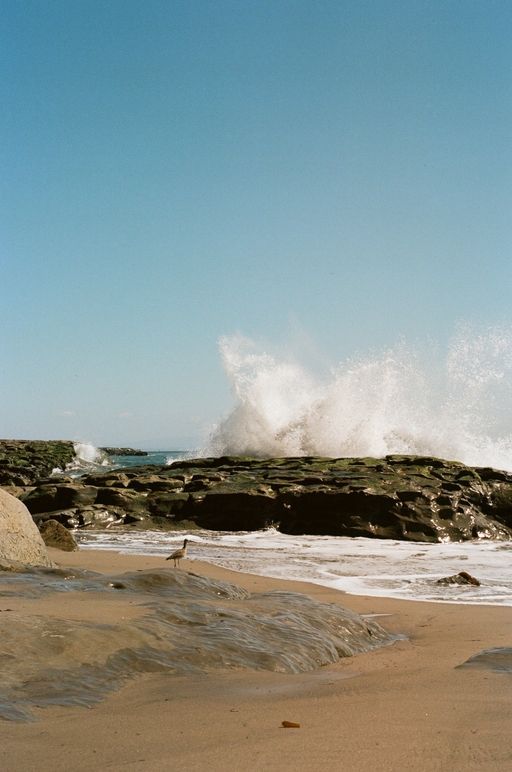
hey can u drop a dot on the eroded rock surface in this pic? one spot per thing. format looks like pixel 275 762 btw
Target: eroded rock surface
pixel 398 497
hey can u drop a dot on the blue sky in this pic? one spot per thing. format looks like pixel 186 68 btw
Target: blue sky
pixel 325 175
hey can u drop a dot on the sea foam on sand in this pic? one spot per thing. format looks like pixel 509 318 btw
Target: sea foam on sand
pixel 360 566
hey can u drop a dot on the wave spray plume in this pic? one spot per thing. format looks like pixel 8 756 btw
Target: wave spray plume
pixel 457 406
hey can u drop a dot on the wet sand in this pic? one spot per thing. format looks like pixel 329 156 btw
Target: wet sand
pixel 403 707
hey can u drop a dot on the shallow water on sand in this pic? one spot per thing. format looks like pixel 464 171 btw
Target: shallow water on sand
pixel 499 660
pixel 187 624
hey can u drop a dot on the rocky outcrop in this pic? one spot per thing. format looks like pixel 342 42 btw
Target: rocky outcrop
pixel 20 541
pixel 399 497
pixel 461 578
pixel 24 462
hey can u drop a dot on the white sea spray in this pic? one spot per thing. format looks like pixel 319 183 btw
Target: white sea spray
pixel 455 404
pixel 88 453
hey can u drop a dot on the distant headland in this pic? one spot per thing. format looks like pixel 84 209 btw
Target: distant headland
pixel 124 452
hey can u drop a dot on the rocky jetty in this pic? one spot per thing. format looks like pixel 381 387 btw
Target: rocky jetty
pixel 24 462
pixel 398 497
pixel 124 452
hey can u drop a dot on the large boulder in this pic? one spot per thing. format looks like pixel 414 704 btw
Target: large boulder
pixel 20 540
pixel 57 535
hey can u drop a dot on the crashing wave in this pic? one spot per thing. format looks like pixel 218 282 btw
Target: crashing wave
pixel 455 406
pixel 88 458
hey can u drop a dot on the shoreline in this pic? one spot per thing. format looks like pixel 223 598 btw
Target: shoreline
pixel 402 707
pixel 407 571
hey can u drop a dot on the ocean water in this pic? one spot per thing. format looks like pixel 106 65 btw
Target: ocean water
pixel 358 566
pixel 89 458
pixel 156 457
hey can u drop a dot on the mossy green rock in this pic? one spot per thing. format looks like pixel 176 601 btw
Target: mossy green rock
pixel 24 462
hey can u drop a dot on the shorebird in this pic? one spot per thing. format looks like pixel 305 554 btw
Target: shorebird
pixel 181 553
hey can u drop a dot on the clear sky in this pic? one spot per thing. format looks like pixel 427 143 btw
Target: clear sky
pixel 175 171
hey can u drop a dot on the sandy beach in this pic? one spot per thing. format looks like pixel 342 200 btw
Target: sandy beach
pixel 403 707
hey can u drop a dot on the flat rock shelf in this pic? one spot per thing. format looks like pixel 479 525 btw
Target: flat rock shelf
pixel 398 497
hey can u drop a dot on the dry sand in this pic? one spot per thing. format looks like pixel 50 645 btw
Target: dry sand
pixel 403 707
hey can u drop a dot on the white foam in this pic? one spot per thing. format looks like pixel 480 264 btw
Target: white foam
pixel 88 453
pixel 455 405
pixel 87 459
pixel 359 566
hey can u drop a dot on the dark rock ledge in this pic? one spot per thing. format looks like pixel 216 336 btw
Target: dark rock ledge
pixel 124 452
pixel 398 497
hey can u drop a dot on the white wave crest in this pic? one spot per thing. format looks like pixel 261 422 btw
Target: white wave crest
pixel 88 453
pixel 87 459
pixel 455 405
